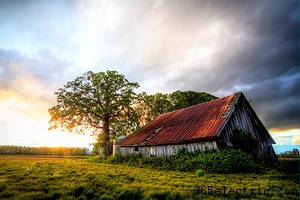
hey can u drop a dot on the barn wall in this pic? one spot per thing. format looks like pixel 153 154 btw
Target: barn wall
pixel 242 118
pixel 166 150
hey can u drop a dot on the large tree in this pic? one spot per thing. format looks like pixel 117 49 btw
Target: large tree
pixel 100 102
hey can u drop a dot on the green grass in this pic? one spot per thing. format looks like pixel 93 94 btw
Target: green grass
pixel 74 178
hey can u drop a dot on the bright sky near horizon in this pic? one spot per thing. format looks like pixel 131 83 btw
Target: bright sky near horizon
pixel 220 47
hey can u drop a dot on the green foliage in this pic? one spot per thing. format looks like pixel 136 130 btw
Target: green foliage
pixel 149 106
pixel 242 140
pixel 165 195
pixel 199 172
pixel 127 194
pixel 86 101
pixel 98 145
pixel 212 161
pixel 131 159
pixel 189 98
pixel 106 197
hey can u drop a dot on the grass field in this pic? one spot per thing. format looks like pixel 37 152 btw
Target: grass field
pixel 76 178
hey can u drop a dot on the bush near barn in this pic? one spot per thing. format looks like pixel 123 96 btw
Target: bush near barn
pixel 211 161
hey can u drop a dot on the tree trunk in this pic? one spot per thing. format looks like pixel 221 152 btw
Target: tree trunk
pixel 106 143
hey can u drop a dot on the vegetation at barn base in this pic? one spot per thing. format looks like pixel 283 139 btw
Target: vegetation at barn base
pixel 241 140
pixel 66 178
pixel 211 161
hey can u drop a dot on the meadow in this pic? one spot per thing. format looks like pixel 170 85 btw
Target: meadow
pixel 28 177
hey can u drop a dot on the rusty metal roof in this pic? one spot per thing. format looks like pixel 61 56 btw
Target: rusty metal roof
pixel 194 123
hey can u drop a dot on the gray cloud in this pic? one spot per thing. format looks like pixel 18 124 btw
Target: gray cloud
pixel 32 77
pixel 257 53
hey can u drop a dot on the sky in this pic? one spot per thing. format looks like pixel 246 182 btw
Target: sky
pixel 216 46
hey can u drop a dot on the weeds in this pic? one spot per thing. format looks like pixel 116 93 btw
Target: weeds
pixel 212 161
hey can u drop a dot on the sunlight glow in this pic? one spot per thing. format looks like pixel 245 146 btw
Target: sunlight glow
pixel 291 136
pixel 29 127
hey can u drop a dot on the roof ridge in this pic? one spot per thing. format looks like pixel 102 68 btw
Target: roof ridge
pixel 231 105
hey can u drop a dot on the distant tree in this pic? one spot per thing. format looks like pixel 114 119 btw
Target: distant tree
pixel 100 102
pixel 183 99
pixel 97 145
pixel 149 106
pixel 54 151
pixel 290 154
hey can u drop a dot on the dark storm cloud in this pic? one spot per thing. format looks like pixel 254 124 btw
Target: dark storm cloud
pixel 277 100
pixel 259 56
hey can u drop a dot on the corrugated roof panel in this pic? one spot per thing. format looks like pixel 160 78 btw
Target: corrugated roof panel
pixel 195 122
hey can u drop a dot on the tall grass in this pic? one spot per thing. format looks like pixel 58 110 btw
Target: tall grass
pixel 66 178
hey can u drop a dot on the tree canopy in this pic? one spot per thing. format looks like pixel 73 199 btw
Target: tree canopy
pixel 95 102
pixel 183 99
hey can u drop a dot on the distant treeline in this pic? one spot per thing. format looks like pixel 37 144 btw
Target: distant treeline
pixel 51 151
pixel 290 154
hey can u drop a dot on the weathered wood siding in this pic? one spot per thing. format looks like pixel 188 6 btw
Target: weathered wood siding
pixel 166 150
pixel 242 118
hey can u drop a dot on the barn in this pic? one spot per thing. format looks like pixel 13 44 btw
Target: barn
pixel 207 125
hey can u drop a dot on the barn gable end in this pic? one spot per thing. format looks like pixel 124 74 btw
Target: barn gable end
pixel 243 116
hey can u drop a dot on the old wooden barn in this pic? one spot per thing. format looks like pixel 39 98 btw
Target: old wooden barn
pixel 208 125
